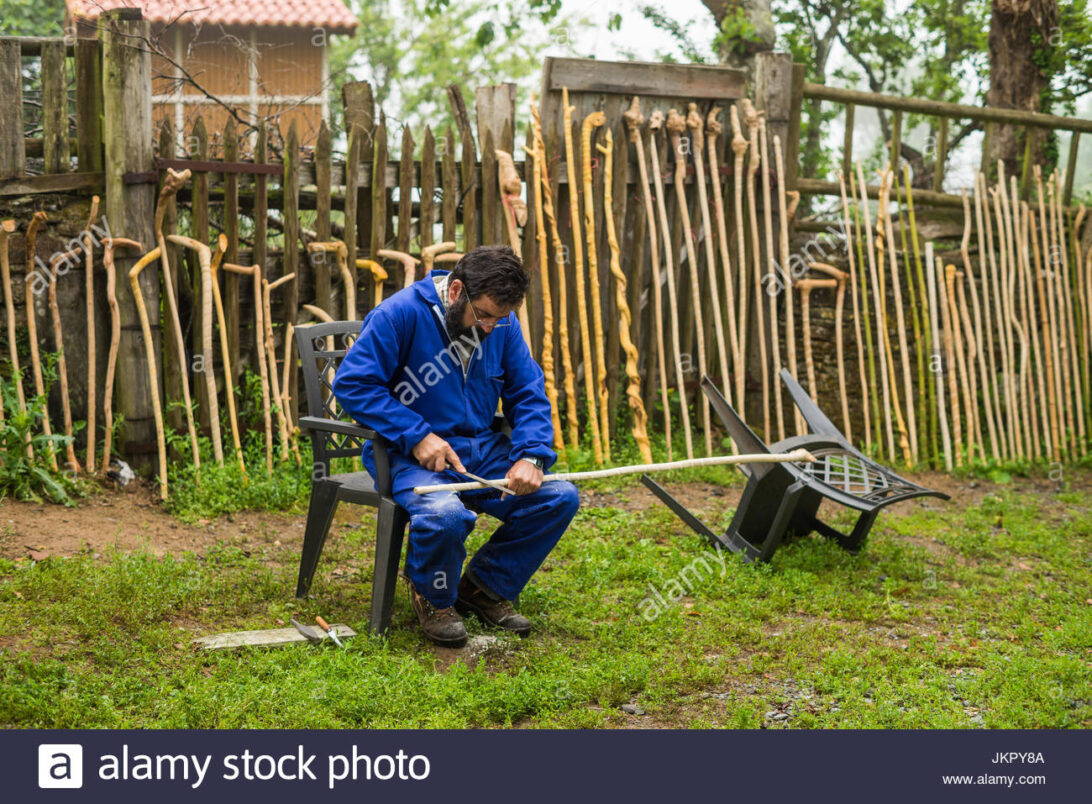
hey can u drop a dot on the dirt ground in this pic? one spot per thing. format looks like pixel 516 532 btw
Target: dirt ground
pixel 133 517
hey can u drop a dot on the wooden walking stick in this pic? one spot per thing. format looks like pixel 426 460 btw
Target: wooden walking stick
pixel 1054 340
pixel 755 159
pixel 341 254
pixel 990 306
pixel 562 292
pixel 225 355
pixel 805 286
pixel 696 127
pixel 1046 367
pixel 515 214
pixel 62 364
pixel 950 359
pixel 625 317
pixel 878 307
pixel 271 355
pixel 429 255
pixel 31 278
pixel 204 260
pixel 847 225
pixel 537 153
pixel 972 350
pixel 634 120
pixel 149 354
pixel 1071 326
pixel 739 148
pixel 255 274
pixel 885 331
pixel 409 263
pixel 839 278
pixel 774 283
pixel 6 228
pixel 1027 313
pixel 89 294
pixel 676 125
pixel 578 269
pixel 935 314
pixel 1015 334
pixel 976 332
pixel 293 429
pixel 1008 359
pixel 655 122
pixel 379 276
pixel 784 214
pixel 109 244
pixel 900 322
pixel 594 120
pixel 713 131
pixel 171 185
pixel 448 256
pixel 953 279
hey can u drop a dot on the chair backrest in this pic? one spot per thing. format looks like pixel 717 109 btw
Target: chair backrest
pixel 321 348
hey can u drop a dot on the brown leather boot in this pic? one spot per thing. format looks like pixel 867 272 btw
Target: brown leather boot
pixel 443 626
pixel 490 609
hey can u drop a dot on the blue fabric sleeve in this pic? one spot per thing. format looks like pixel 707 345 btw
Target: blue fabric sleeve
pixel 524 400
pixel 363 379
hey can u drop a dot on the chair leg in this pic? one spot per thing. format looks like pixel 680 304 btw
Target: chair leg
pixel 320 513
pixel 781 521
pixel 389 533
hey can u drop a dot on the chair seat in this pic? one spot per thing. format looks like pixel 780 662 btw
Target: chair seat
pixel 356 487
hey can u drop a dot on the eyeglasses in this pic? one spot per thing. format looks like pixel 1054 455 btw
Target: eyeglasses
pixel 489 320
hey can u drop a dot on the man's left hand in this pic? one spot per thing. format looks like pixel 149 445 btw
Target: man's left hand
pixel 524 478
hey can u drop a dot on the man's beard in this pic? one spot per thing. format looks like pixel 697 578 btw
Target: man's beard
pixel 453 320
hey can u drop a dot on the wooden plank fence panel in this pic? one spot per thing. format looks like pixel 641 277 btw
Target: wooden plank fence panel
pixel 450 185
pixel 489 209
pixel 405 192
pixel 54 107
pixel 12 143
pixel 428 189
pixel 378 235
pixel 88 105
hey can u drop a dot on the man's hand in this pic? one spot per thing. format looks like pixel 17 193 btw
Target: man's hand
pixel 524 478
pixel 433 453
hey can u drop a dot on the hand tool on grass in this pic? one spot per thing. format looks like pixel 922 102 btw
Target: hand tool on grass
pixel 625 317
pixel 634 120
pixel 329 631
pixel 676 125
pixel 272 637
pixel 592 121
pixel 795 456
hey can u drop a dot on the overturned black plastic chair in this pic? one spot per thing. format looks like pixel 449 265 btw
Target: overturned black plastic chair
pixel 783 498
pixel 335 435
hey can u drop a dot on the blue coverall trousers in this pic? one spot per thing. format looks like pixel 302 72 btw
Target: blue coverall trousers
pixel 440 523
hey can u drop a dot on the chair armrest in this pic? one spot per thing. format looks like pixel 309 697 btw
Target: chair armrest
pixel 335 426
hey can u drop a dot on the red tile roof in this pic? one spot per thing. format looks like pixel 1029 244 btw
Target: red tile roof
pixel 331 15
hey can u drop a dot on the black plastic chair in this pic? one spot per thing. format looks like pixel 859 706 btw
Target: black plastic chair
pixel 784 497
pixel 335 435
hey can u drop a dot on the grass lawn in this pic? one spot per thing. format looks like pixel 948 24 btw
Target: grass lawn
pixel 973 613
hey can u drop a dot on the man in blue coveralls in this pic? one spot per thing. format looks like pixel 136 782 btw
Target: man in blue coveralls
pixel 426 373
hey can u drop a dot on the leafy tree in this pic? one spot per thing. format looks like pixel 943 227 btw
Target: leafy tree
pixel 32 17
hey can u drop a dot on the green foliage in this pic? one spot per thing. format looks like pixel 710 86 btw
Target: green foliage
pixel 32 17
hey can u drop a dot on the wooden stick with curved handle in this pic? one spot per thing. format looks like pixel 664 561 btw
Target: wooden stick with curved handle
pixel 839 278
pixel 62 364
pixel 429 254
pixel 379 276
pixel 537 153
pixel 633 388
pixel 655 122
pixel 714 128
pixel 562 291
pixel 448 256
pixel 341 254
pixel 634 120
pixel 591 121
pixel 954 280
pixel 578 270
pixel 31 278
pixel 856 317
pixel 255 274
pixel 676 125
pixel 696 127
pixel 89 296
pixel 6 228
pixel 171 185
pixel 805 286
pixel 409 263
pixel 204 259
pixel 149 355
pixel 271 356
pixel 225 355
pixel 109 244
pixel 515 215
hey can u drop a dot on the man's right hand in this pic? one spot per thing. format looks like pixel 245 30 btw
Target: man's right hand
pixel 433 453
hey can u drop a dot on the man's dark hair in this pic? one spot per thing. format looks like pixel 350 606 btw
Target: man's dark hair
pixel 493 270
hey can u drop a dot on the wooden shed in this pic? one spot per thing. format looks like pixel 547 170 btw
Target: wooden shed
pixel 261 57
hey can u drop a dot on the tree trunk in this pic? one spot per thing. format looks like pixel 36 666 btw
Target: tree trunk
pixel 1021 36
pixel 750 31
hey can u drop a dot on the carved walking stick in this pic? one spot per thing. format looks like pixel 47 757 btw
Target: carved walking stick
pixel 739 148
pixel 1013 267
pixel 625 317
pixel 409 263
pixel 950 358
pixel 62 364
pixel 696 127
pixel 30 280
pixel 341 254
pixel 255 274
pixel 755 158
pixel 149 354
pixel 1054 339
pixel 594 120
pixel 429 255
pixel 562 292
pixel 840 278
pixel 271 355
pixel 774 282
pixel 537 153
pixel 856 318
pixel 225 355
pixel 109 244
pixel 991 307
pixel 655 122
pixel 578 269
pixel 676 125
pixel 204 260
pixel 936 313
pixel 379 276
pixel 1046 365
pixel 980 358
pixel 713 131
pixel 171 185
pixel 784 214
pixel 1027 315
pixel 885 331
pixel 6 228
pixel 1005 322
pixel 634 120
pixel 953 279
pixel 805 286
pixel 1071 325
pixel 89 294
pixel 515 213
